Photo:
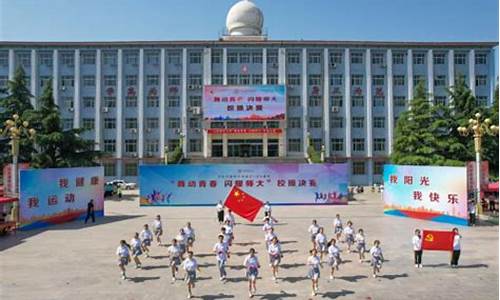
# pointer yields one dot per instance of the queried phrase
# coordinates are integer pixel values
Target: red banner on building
(243, 130)
(471, 175)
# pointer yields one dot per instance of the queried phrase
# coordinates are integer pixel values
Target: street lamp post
(478, 128)
(14, 129)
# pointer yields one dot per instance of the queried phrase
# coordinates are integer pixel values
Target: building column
(184, 102)
(55, 77)
(491, 75)
(224, 145)
(265, 145)
(119, 105)
(34, 78)
(98, 98)
(369, 105)
(430, 74)
(162, 102)
(140, 106)
(207, 80)
(305, 125)
(472, 71)
(347, 103)
(206, 144)
(282, 66)
(76, 98)
(390, 103)
(326, 102)
(264, 65)
(224, 66)
(119, 168)
(12, 64)
(451, 68)
(409, 73)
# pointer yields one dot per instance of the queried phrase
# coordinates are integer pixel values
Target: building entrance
(245, 148)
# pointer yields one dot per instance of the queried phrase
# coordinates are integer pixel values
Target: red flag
(243, 204)
(437, 240)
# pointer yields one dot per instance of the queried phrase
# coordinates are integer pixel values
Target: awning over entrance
(243, 130)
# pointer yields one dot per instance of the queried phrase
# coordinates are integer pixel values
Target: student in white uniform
(135, 245)
(314, 264)
(334, 260)
(313, 231)
(361, 244)
(349, 236)
(190, 266)
(377, 257)
(337, 227)
(146, 237)
(321, 242)
(417, 248)
(229, 217)
(274, 251)
(174, 253)
(158, 229)
(182, 241)
(229, 231)
(252, 266)
(267, 209)
(269, 237)
(268, 225)
(227, 236)
(455, 256)
(123, 253)
(220, 212)
(190, 236)
(221, 251)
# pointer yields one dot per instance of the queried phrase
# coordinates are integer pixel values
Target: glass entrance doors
(245, 148)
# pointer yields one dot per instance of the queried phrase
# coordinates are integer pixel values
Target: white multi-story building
(137, 98)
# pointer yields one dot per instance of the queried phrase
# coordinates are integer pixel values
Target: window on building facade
(232, 79)
(194, 100)
(398, 80)
(195, 58)
(88, 80)
(357, 79)
(109, 169)
(67, 81)
(336, 79)
(88, 58)
(131, 58)
(314, 79)
(46, 59)
(88, 123)
(152, 79)
(294, 145)
(378, 101)
(399, 101)
(194, 123)
(272, 57)
(131, 123)
(130, 146)
(379, 122)
(293, 101)
(217, 79)
(358, 168)
(109, 123)
(232, 57)
(358, 101)
(460, 77)
(152, 57)
(4, 58)
(130, 169)
(173, 101)
(378, 167)
(44, 80)
(439, 100)
(315, 122)
(439, 80)
(195, 79)
(244, 57)
(481, 100)
(358, 122)
(244, 79)
(88, 102)
(109, 146)
(67, 123)
(314, 58)
(439, 58)
(257, 57)
(377, 58)
(272, 78)
(195, 145)
(109, 80)
(314, 101)
(398, 58)
(109, 58)
(174, 123)
(293, 57)
(152, 146)
(379, 144)
(358, 144)
(257, 79)
(172, 144)
(3, 82)
(316, 144)
(337, 101)
(68, 59)
(131, 80)
(216, 56)
(67, 102)
(152, 123)
(419, 79)
(109, 101)
(460, 58)
(174, 57)
(24, 59)
(173, 80)
(131, 101)
(337, 122)
(356, 58)
(480, 58)
(481, 80)
(418, 58)
(293, 79)
(294, 122)
(335, 58)
(378, 80)
(337, 145)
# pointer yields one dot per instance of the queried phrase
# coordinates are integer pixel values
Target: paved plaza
(74, 261)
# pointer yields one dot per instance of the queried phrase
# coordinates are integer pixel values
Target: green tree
(59, 148)
(17, 102)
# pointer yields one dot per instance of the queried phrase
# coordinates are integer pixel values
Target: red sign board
(243, 130)
(7, 178)
(471, 175)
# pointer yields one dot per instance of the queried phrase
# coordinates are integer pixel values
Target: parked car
(124, 185)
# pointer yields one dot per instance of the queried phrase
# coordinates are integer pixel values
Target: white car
(124, 185)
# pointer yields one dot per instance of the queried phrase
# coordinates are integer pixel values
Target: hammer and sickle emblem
(429, 238)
